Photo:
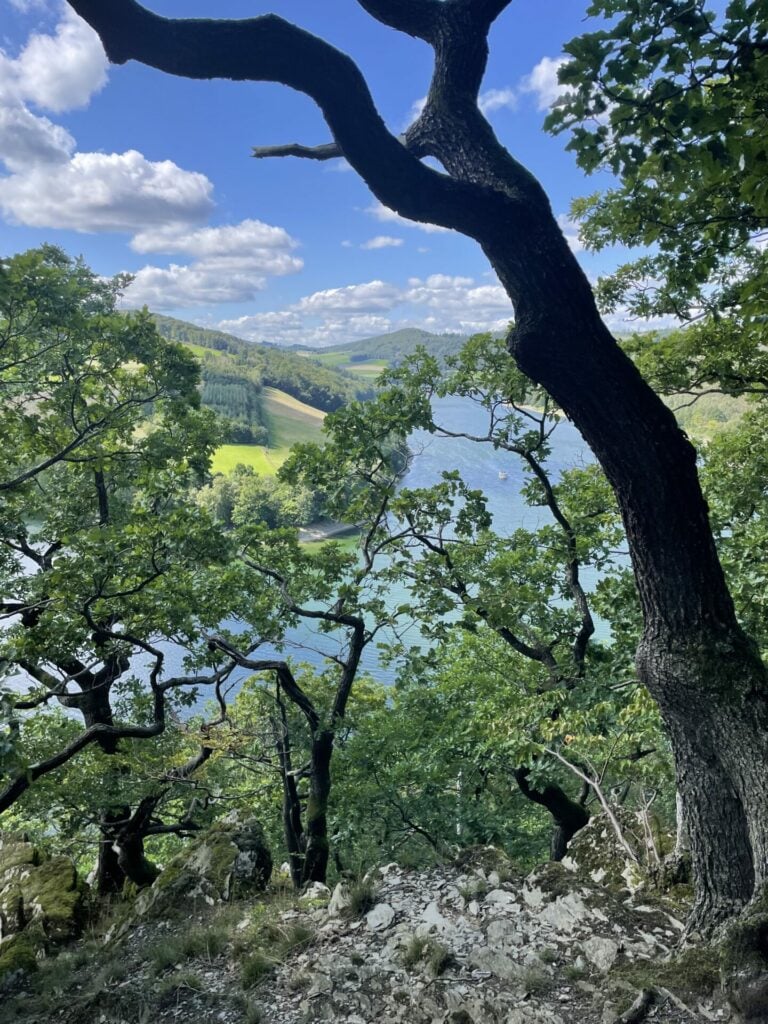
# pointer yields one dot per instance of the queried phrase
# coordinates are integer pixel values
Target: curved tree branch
(270, 49)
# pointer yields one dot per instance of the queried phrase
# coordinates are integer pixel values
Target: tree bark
(708, 679)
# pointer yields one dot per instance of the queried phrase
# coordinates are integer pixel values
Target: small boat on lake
(502, 475)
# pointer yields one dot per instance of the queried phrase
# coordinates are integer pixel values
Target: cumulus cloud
(56, 72)
(27, 140)
(384, 215)
(543, 83)
(289, 328)
(382, 242)
(251, 244)
(437, 303)
(106, 192)
(198, 284)
(50, 184)
(497, 99)
(370, 297)
(28, 5)
(232, 265)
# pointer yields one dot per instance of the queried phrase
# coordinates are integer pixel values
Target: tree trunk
(705, 675)
(569, 815)
(316, 856)
(293, 829)
(110, 877)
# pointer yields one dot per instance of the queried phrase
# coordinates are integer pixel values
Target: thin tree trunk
(317, 852)
(293, 829)
(569, 815)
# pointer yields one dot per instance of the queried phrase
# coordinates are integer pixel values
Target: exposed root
(645, 1002)
(641, 1007)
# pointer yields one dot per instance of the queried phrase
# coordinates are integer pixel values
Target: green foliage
(103, 553)
(245, 497)
(672, 98)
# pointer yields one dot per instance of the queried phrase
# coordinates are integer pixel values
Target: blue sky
(152, 175)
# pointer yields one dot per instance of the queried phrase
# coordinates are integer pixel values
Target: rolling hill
(271, 397)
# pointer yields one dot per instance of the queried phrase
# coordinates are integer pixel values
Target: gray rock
(380, 918)
(601, 952)
(340, 900)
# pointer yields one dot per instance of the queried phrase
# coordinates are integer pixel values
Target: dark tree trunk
(317, 852)
(110, 877)
(293, 830)
(570, 816)
(134, 862)
(121, 853)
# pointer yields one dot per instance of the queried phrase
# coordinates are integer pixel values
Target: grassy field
(289, 422)
(370, 369)
(265, 461)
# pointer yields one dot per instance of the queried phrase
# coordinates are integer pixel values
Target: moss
(53, 893)
(745, 946)
(15, 853)
(19, 953)
(489, 858)
(695, 973)
(553, 879)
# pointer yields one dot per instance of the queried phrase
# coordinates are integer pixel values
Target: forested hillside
(394, 347)
(235, 372)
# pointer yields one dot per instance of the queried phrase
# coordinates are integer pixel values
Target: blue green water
(480, 466)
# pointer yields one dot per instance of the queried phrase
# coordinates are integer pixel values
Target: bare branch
(329, 151)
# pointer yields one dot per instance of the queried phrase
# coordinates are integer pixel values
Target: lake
(480, 466)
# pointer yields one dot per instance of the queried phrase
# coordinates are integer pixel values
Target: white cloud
(340, 166)
(386, 216)
(288, 328)
(497, 99)
(570, 229)
(233, 264)
(228, 240)
(199, 284)
(382, 242)
(57, 72)
(417, 107)
(27, 140)
(106, 192)
(371, 297)
(438, 303)
(28, 5)
(543, 83)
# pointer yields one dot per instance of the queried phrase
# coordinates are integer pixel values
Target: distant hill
(237, 372)
(392, 348)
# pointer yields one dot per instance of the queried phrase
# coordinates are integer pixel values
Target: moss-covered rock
(230, 860)
(54, 896)
(18, 953)
(15, 851)
(596, 853)
(41, 901)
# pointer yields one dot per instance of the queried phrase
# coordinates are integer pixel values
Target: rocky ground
(475, 943)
